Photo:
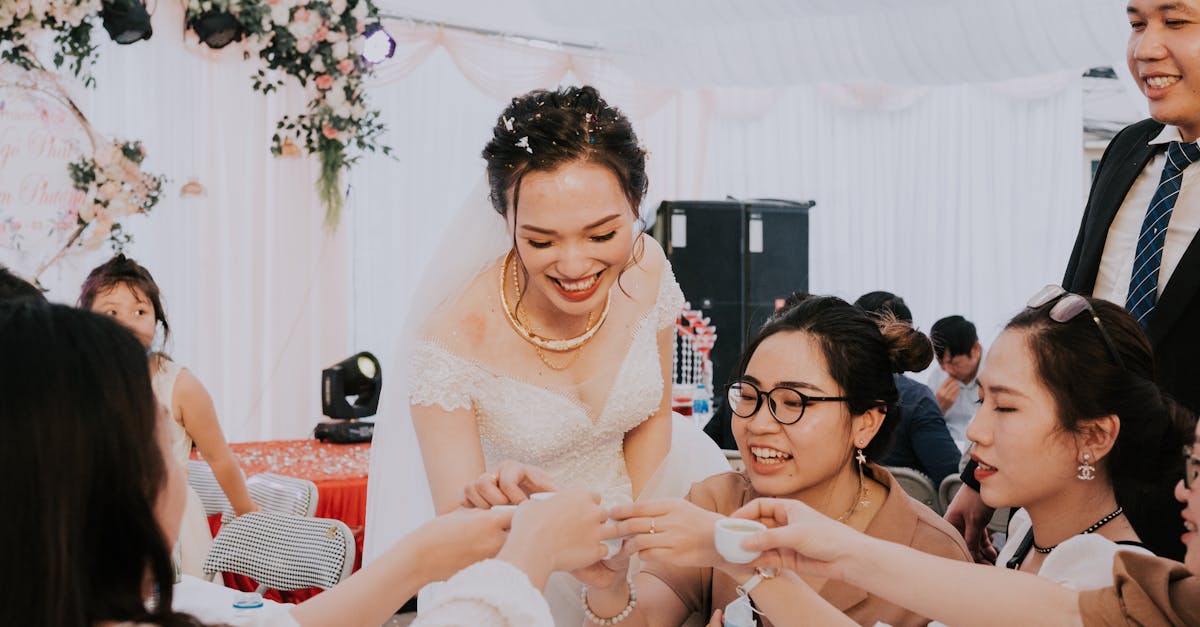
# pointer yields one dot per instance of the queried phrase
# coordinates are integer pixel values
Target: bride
(549, 358)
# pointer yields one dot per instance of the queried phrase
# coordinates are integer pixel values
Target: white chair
(950, 486)
(283, 495)
(283, 552)
(201, 478)
(917, 485)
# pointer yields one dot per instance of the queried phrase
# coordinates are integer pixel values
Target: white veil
(398, 497)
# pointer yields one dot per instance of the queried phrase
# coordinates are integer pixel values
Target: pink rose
(272, 2)
(301, 15)
(303, 45)
(360, 27)
(324, 82)
(329, 132)
(345, 66)
(321, 33)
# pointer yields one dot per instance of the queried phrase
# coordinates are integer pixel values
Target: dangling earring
(861, 458)
(1087, 471)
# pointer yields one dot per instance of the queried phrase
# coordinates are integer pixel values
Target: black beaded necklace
(1027, 542)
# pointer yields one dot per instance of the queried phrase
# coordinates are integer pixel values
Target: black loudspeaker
(736, 261)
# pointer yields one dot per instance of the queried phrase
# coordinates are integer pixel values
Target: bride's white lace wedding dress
(550, 424)
(457, 351)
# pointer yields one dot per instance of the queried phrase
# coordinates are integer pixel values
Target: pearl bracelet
(587, 611)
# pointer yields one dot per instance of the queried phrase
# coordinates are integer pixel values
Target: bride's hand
(509, 483)
(605, 573)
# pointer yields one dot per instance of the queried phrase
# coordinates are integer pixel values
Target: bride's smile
(574, 234)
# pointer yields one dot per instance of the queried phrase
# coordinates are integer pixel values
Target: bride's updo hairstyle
(861, 351)
(543, 130)
(1075, 366)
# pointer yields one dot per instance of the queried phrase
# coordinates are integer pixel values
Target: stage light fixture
(217, 29)
(126, 21)
(378, 44)
(350, 391)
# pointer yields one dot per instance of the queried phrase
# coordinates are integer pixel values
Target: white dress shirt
(1116, 264)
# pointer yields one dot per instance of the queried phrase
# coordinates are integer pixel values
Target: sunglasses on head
(1067, 308)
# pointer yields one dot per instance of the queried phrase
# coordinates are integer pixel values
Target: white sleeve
(1084, 562)
(491, 593)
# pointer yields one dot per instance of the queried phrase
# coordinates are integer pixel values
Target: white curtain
(965, 202)
(962, 198)
(256, 291)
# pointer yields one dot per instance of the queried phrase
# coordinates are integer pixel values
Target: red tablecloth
(340, 472)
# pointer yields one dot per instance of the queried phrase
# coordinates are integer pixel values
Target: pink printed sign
(39, 136)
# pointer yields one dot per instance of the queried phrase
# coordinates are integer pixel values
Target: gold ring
(652, 529)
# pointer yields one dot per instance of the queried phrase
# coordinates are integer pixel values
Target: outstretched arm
(198, 416)
(950, 591)
(451, 450)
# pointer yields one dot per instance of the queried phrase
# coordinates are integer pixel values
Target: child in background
(125, 290)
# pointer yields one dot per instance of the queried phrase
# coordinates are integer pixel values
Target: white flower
(357, 44)
(359, 12)
(524, 143)
(108, 190)
(105, 155)
(87, 213)
(6, 17)
(335, 98)
(318, 65)
(338, 6)
(122, 205)
(341, 50)
(39, 8)
(280, 14)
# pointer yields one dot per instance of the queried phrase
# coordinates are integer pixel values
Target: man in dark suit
(1112, 257)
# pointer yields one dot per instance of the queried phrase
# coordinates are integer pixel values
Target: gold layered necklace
(541, 343)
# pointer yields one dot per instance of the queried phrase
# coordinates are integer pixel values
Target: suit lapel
(1111, 189)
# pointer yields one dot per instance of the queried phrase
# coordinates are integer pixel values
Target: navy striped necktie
(1143, 285)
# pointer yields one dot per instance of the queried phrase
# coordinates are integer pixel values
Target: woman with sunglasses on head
(1142, 589)
(1072, 429)
(813, 401)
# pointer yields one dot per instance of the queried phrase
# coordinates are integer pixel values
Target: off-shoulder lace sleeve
(670, 299)
(440, 378)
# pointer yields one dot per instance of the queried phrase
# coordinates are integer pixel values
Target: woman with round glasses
(814, 402)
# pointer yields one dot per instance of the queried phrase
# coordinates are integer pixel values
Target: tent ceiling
(781, 42)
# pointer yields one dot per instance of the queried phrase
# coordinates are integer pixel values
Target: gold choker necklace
(545, 343)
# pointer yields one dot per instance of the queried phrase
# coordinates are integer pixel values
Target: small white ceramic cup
(728, 536)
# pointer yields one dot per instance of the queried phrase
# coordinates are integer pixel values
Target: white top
(1116, 265)
(1082, 562)
(959, 416)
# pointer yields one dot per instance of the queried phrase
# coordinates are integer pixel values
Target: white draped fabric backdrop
(963, 197)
